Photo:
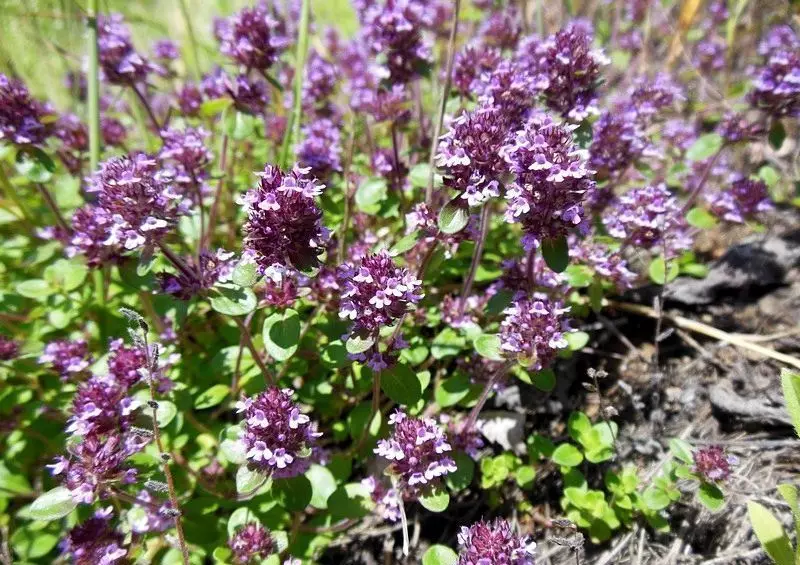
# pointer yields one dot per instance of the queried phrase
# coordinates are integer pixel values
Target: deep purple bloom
(125, 363)
(20, 114)
(533, 330)
(152, 519)
(469, 441)
(376, 293)
(67, 358)
(709, 54)
(214, 268)
(253, 38)
(186, 152)
(102, 405)
(649, 218)
(487, 543)
(140, 200)
(417, 451)
(551, 181)
(501, 29)
(472, 62)
(113, 131)
(9, 349)
(712, 464)
(469, 154)
(216, 84)
(284, 223)
(72, 132)
(741, 201)
(511, 88)
(95, 542)
(780, 38)
(386, 499)
(320, 150)
(735, 127)
(572, 67)
(618, 142)
(190, 99)
(649, 97)
(119, 61)
(251, 543)
(249, 95)
(390, 31)
(606, 263)
(90, 228)
(776, 89)
(166, 50)
(278, 439)
(320, 80)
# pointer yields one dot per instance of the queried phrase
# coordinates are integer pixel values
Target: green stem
(93, 89)
(192, 39)
(476, 256)
(293, 125)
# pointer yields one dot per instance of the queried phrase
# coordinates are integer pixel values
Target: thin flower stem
(701, 183)
(248, 341)
(140, 95)
(214, 212)
(448, 77)
(51, 203)
(293, 125)
(93, 88)
(348, 205)
(531, 268)
(476, 257)
(473, 415)
(192, 39)
(177, 261)
(163, 455)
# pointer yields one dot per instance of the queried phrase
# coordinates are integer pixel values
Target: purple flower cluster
(284, 224)
(572, 68)
(320, 81)
(376, 293)
(391, 32)
(648, 98)
(494, 542)
(469, 154)
(187, 156)
(533, 331)
(741, 201)
(606, 263)
(736, 127)
(119, 61)
(166, 50)
(251, 543)
(189, 98)
(617, 143)
(470, 64)
(95, 541)
(649, 218)
(321, 149)
(776, 89)
(417, 451)
(278, 439)
(9, 349)
(154, 518)
(254, 38)
(709, 54)
(780, 38)
(113, 132)
(21, 115)
(386, 499)
(68, 358)
(551, 182)
(213, 268)
(712, 464)
(502, 29)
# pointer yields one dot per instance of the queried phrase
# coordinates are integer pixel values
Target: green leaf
(576, 340)
(462, 477)
(658, 271)
(52, 505)
(335, 354)
(351, 501)
(711, 496)
(214, 107)
(282, 334)
(239, 517)
(323, 485)
(401, 384)
(544, 380)
(488, 346)
(701, 218)
(656, 498)
(448, 342)
(777, 133)
(212, 397)
(234, 451)
(238, 125)
(450, 392)
(66, 275)
(248, 481)
(567, 455)
(556, 253)
(790, 382)
(454, 216)
(165, 413)
(370, 193)
(583, 134)
(705, 146)
(579, 426)
(36, 289)
(31, 543)
(245, 273)
(769, 532)
(12, 482)
(525, 476)
(682, 450)
(35, 165)
(439, 555)
(499, 301)
(295, 493)
(579, 276)
(406, 243)
(234, 300)
(435, 501)
(356, 344)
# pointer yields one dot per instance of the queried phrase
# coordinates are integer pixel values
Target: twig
(473, 415)
(710, 331)
(212, 214)
(51, 203)
(476, 256)
(248, 341)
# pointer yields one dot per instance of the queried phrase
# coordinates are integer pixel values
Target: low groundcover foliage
(257, 303)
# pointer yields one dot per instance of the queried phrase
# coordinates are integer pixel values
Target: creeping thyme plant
(264, 287)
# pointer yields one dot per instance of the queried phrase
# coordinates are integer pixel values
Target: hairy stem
(476, 257)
